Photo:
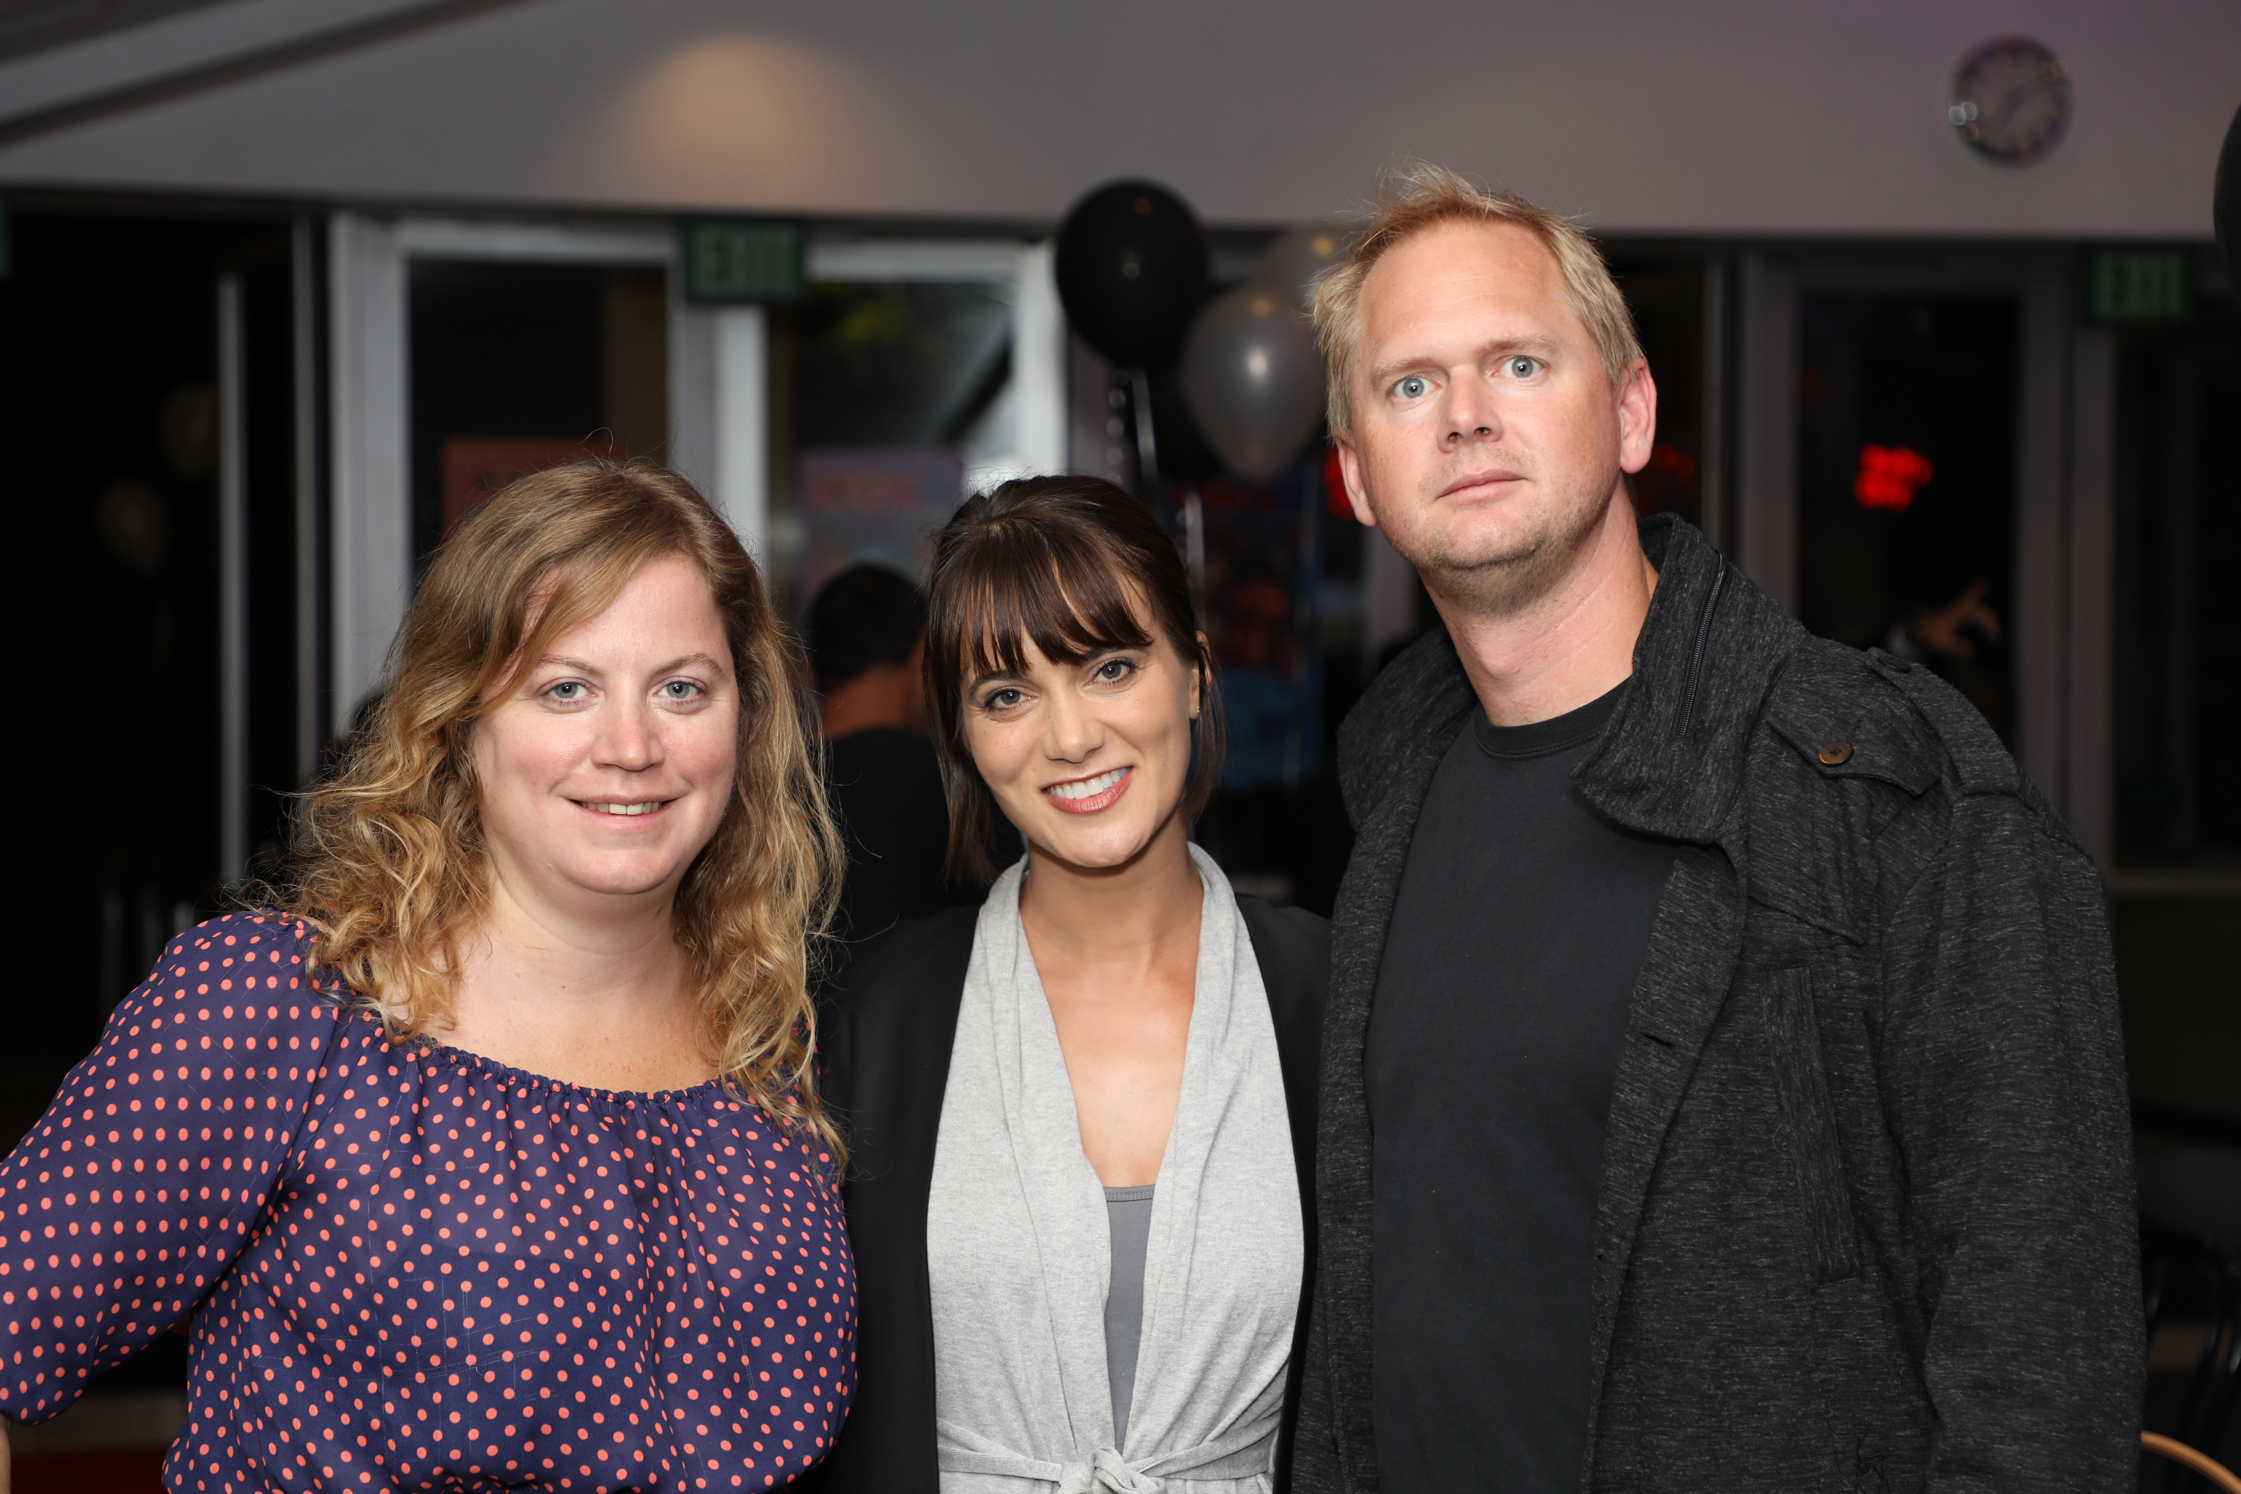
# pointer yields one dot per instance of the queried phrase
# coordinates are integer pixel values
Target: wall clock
(2011, 99)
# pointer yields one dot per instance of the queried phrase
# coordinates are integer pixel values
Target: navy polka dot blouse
(412, 1268)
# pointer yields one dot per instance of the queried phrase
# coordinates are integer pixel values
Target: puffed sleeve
(141, 1182)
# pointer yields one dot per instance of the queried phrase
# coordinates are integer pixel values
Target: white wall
(1749, 116)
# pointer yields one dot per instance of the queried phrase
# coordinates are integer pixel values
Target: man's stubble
(1496, 578)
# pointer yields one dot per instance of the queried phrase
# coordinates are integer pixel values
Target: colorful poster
(477, 466)
(874, 506)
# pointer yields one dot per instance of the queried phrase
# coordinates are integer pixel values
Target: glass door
(913, 372)
(1916, 470)
(1907, 467)
(517, 366)
(465, 352)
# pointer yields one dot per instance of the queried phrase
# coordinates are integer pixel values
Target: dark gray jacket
(1866, 1219)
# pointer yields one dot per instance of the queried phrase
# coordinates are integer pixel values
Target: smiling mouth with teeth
(1088, 795)
(648, 807)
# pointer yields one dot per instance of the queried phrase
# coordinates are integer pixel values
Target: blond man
(1722, 1088)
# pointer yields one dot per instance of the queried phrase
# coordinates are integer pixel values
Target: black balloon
(2225, 208)
(1132, 269)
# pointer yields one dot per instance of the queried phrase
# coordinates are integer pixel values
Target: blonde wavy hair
(389, 867)
(1423, 196)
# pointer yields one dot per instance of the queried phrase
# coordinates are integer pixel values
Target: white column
(233, 589)
(742, 425)
(303, 374)
(692, 390)
(1039, 362)
(372, 509)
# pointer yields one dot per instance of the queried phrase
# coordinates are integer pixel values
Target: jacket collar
(1670, 763)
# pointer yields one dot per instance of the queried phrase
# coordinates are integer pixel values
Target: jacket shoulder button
(1833, 753)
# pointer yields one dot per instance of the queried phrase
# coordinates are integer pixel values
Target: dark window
(2178, 629)
(518, 366)
(109, 373)
(1907, 450)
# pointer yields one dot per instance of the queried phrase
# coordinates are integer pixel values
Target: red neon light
(1334, 485)
(1672, 461)
(1889, 475)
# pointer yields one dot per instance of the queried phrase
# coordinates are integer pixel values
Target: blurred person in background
(867, 648)
(1723, 1086)
(486, 1153)
(1082, 1115)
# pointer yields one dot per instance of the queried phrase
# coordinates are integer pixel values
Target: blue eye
(680, 689)
(567, 690)
(1521, 367)
(1412, 387)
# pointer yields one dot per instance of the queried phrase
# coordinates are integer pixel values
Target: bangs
(1067, 567)
(1026, 582)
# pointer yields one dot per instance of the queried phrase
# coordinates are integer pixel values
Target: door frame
(2065, 482)
(1038, 323)
(369, 410)
(718, 395)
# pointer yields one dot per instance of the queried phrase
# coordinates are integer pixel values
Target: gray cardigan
(1866, 1219)
(887, 1026)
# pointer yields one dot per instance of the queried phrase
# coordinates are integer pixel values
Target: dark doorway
(1907, 456)
(1668, 302)
(519, 366)
(883, 393)
(109, 373)
(2178, 635)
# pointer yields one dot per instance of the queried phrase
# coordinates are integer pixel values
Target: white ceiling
(1772, 117)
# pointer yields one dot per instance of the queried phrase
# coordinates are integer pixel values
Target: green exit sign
(2139, 285)
(735, 260)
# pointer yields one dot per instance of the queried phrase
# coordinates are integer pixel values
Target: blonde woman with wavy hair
(490, 1154)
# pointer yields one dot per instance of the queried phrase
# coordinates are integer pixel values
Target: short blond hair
(1422, 197)
(389, 866)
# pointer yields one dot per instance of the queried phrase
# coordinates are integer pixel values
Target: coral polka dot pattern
(413, 1268)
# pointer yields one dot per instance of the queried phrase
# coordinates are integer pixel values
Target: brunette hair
(866, 616)
(1076, 565)
(389, 866)
(1423, 197)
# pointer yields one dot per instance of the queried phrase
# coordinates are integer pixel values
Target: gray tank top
(1128, 1212)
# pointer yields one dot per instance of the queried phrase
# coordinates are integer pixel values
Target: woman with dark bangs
(1082, 1116)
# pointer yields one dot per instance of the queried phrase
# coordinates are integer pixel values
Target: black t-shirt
(886, 786)
(1521, 924)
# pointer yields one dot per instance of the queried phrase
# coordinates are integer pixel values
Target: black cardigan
(887, 1023)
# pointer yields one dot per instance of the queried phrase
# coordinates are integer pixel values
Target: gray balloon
(1253, 379)
(1295, 260)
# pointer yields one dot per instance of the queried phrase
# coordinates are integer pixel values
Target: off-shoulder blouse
(409, 1267)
